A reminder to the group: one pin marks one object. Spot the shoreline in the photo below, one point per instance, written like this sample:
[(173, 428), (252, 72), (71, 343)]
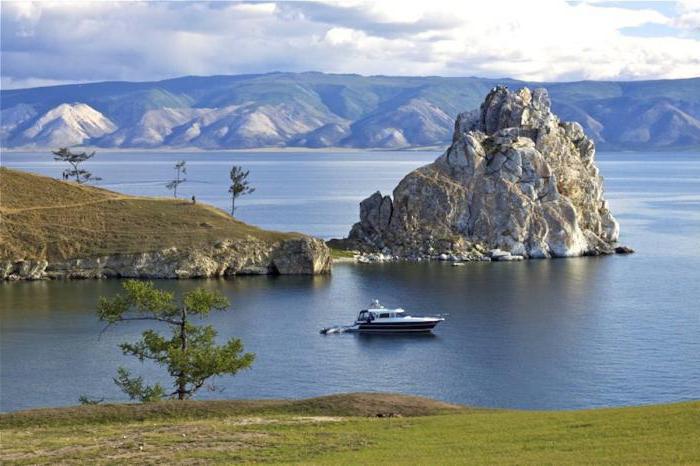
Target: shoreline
[(304, 150), (352, 399), (291, 150), (492, 255)]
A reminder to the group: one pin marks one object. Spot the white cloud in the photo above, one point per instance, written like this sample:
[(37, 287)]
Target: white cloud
[(26, 14), (337, 36), (689, 17), (547, 40)]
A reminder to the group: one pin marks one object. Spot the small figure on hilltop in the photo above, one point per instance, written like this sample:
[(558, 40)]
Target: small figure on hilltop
[(180, 170), (240, 185), (75, 159)]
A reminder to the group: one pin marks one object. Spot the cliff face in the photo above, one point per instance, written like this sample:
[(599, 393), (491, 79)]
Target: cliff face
[(296, 256), (515, 178)]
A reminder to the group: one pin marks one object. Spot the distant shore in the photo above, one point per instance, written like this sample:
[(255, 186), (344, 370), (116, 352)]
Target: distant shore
[(292, 150), (350, 150)]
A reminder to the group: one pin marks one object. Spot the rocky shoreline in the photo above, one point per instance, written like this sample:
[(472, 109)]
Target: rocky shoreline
[(295, 256), (494, 255)]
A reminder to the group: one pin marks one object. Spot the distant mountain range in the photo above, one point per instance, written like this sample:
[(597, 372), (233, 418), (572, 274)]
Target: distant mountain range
[(328, 110)]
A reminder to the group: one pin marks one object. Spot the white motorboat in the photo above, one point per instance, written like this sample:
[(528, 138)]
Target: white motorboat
[(377, 318)]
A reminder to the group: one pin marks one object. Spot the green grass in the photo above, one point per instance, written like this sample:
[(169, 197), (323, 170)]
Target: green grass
[(43, 218), (345, 429), (341, 254)]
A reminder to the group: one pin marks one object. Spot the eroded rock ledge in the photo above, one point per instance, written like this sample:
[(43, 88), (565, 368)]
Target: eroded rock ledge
[(516, 180), (302, 255)]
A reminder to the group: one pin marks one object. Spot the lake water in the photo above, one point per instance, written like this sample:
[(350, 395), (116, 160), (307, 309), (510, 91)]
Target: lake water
[(542, 334)]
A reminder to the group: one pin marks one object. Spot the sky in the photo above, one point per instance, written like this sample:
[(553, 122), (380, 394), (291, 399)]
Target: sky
[(48, 43)]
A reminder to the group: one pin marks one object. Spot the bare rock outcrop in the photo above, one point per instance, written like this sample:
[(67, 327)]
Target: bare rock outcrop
[(515, 178), (303, 255)]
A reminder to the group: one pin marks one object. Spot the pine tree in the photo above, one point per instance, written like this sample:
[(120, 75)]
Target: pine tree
[(189, 354), (75, 159), (180, 170), (240, 185)]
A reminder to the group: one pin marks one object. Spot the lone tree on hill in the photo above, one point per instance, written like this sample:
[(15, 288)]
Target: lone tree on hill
[(180, 170), (75, 159), (240, 185), (190, 354)]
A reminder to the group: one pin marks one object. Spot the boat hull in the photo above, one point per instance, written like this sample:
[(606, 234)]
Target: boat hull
[(397, 327)]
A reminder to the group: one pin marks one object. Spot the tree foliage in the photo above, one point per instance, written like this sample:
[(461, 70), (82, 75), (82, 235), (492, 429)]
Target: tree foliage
[(179, 170), (75, 159), (86, 400), (240, 185), (189, 353)]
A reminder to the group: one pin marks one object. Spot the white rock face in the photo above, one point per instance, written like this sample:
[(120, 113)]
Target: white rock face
[(515, 178), (415, 123), (327, 135), (67, 125), (154, 127), (244, 125)]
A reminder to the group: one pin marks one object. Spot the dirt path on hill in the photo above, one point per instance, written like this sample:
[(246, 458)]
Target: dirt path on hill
[(10, 210)]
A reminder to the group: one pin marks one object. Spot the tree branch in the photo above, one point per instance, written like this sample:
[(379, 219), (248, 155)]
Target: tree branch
[(160, 319), (123, 319), (104, 329)]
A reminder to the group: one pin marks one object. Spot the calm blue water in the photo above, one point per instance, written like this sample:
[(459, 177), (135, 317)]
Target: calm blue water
[(557, 334)]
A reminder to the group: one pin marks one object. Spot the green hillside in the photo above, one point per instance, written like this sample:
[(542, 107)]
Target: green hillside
[(366, 428)]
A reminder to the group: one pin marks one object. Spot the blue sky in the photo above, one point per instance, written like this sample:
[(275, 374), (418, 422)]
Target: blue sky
[(46, 43)]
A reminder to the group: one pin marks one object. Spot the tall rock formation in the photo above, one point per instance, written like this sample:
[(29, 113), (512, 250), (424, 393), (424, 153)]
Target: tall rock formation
[(515, 178)]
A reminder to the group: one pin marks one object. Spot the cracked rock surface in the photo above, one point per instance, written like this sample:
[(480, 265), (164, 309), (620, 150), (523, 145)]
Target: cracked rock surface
[(295, 256), (515, 178)]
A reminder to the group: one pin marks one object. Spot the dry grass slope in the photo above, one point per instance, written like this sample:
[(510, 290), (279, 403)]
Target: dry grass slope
[(43, 218), (345, 429), (351, 404)]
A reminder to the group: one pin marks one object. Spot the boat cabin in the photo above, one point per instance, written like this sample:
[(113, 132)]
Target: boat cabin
[(377, 311)]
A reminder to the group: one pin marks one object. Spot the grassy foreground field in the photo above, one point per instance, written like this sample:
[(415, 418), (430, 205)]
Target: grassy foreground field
[(43, 218), (346, 429)]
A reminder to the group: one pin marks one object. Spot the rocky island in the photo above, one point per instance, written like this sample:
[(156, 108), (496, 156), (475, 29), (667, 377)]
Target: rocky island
[(58, 229), (515, 183)]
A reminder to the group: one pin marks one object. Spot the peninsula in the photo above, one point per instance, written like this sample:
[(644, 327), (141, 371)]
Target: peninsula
[(58, 229)]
